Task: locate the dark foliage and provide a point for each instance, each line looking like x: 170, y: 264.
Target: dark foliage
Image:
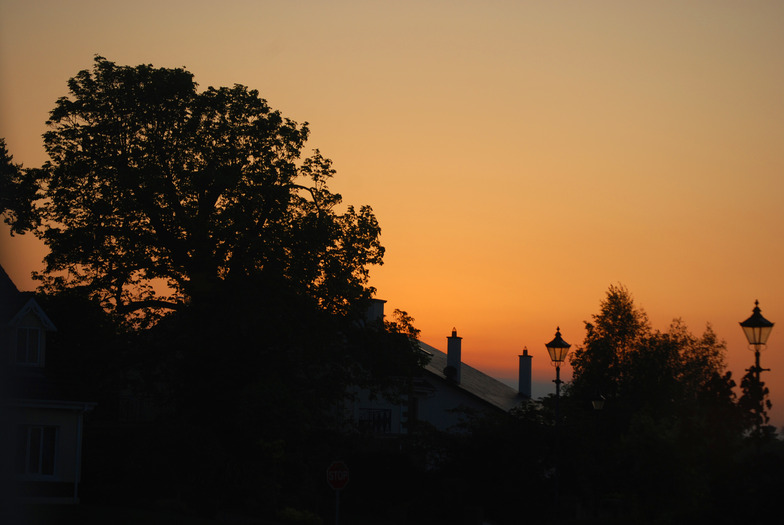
x: 210, y: 291
x: 157, y: 195
x: 671, y: 441
x: 755, y: 404
x: 17, y: 189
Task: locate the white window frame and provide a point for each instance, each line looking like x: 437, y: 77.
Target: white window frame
x: 375, y: 421
x: 39, y: 454
x: 23, y: 335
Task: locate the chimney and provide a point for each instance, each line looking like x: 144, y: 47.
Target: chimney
x: 453, y: 348
x: 524, y: 385
x: 375, y: 311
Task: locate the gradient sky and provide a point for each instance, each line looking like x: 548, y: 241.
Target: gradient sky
x: 521, y: 157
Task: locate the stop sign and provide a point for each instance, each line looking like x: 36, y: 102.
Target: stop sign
x: 337, y: 475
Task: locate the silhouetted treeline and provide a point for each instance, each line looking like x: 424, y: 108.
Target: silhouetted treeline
x: 245, y: 420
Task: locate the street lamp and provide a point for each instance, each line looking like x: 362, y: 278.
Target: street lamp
x: 557, y: 348
x: 757, y: 330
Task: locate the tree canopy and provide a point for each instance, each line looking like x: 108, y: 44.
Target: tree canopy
x: 666, y: 445
x: 152, y: 182
x: 198, y: 210
x: 632, y: 365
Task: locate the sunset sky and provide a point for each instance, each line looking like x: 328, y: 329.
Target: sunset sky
x: 521, y: 157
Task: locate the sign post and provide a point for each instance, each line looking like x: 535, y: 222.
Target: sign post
x: 337, y: 478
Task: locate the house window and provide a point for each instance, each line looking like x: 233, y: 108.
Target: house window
x: 375, y: 420
x: 28, y: 346
x: 37, y: 448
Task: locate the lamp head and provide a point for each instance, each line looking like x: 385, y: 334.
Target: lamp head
x: 756, y: 328
x: 558, y: 348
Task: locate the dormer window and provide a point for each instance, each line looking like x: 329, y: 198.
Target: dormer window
x: 29, y: 347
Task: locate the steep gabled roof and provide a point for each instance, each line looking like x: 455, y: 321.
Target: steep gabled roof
x: 473, y: 381
x: 14, y: 305
x: 27, y: 385
x: 10, y: 297
x: 31, y: 306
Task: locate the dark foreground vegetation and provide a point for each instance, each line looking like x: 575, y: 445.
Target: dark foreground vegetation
x: 210, y: 295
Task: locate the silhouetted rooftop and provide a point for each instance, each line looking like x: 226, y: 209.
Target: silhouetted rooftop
x: 473, y: 381
x: 11, y: 299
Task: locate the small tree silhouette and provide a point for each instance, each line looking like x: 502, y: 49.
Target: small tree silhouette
x: 755, y: 404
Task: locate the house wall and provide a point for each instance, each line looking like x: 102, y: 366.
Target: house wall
x: 67, y: 423
x: 363, y: 409
x: 444, y: 408
x: 30, y: 320
x: 9, y: 336
x: 443, y: 405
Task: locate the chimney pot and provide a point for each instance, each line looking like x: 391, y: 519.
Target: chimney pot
x: 375, y: 311
x: 524, y: 384
x: 453, y: 351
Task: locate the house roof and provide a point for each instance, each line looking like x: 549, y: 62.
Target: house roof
x: 14, y: 305
x: 28, y: 383
x: 11, y: 300
x: 473, y: 381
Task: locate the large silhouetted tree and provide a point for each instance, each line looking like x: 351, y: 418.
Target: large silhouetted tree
x: 196, y: 210
x: 153, y: 182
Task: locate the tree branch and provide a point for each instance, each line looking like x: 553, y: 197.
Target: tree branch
x: 149, y: 303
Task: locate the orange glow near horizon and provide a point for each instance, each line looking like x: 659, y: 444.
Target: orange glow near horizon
x: 520, y: 157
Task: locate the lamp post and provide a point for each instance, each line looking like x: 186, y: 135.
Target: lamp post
x: 557, y: 348
x: 757, y: 330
